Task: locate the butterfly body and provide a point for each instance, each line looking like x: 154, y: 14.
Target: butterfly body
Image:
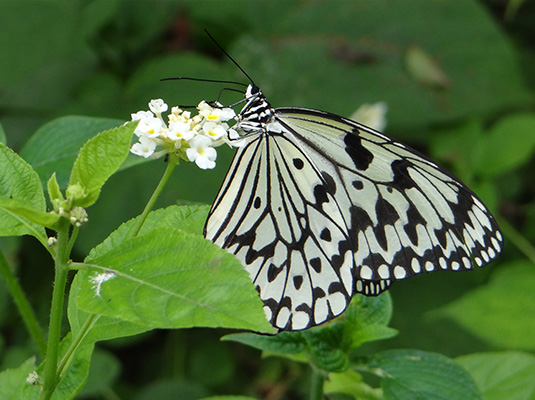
x: 318, y: 207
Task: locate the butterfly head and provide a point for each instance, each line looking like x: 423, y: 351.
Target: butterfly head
x: 256, y: 113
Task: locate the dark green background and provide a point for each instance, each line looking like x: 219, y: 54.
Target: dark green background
x: 105, y: 59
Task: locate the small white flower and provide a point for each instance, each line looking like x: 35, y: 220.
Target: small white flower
x: 201, y: 152
x: 150, y: 127
x: 179, y: 130
x: 99, y: 279
x: 144, y: 148
x: 141, y: 115
x: 372, y: 115
x: 215, y: 130
x: 215, y: 114
x: 158, y: 106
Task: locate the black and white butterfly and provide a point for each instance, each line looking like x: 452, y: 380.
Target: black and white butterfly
x: 318, y: 207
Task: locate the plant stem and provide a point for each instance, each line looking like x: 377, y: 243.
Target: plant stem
x: 50, y: 375
x: 23, y: 305
x: 316, y: 384
x: 171, y: 164
x: 75, y: 343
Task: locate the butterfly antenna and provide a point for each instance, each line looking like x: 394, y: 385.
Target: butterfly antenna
x: 187, y: 78
x: 229, y: 57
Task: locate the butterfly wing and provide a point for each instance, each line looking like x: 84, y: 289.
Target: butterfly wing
x: 405, y: 214
x: 318, y: 207
x: 277, y: 215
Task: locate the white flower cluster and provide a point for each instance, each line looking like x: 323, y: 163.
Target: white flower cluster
x: 189, y: 138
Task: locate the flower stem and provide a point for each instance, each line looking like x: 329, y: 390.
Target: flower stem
x: 50, y: 375
x: 23, y: 305
x: 163, y: 181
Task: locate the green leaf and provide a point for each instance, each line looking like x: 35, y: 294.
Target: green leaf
x: 54, y: 193
x: 18, y: 181
x: 74, y: 379
x: 325, y: 346
x: 13, y: 382
x: 509, y: 144
x: 98, y: 159
x: 54, y: 147
x: 350, y: 382
x: 189, y: 219
x: 20, y: 209
x: 500, y: 312
x: 283, y: 343
x: 504, y: 375
x: 170, y: 279
x: 366, y: 320
x: 414, y: 374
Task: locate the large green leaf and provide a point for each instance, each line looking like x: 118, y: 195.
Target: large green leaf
x: 171, y: 279
x: 188, y: 219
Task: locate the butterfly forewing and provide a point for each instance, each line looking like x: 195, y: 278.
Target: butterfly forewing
x: 318, y: 207
x: 405, y: 214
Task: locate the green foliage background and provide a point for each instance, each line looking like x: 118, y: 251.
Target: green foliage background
x: 105, y: 59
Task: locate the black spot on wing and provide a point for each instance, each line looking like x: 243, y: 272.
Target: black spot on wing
x: 316, y: 264
x: 257, y: 202
x: 298, y: 281
x: 358, y: 185
x: 273, y: 272
x: 320, y: 194
x: 329, y: 182
x: 361, y: 156
x: 326, y: 235
x: 298, y: 163
x: 402, y: 179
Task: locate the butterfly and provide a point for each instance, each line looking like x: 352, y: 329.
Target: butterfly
x: 318, y: 207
